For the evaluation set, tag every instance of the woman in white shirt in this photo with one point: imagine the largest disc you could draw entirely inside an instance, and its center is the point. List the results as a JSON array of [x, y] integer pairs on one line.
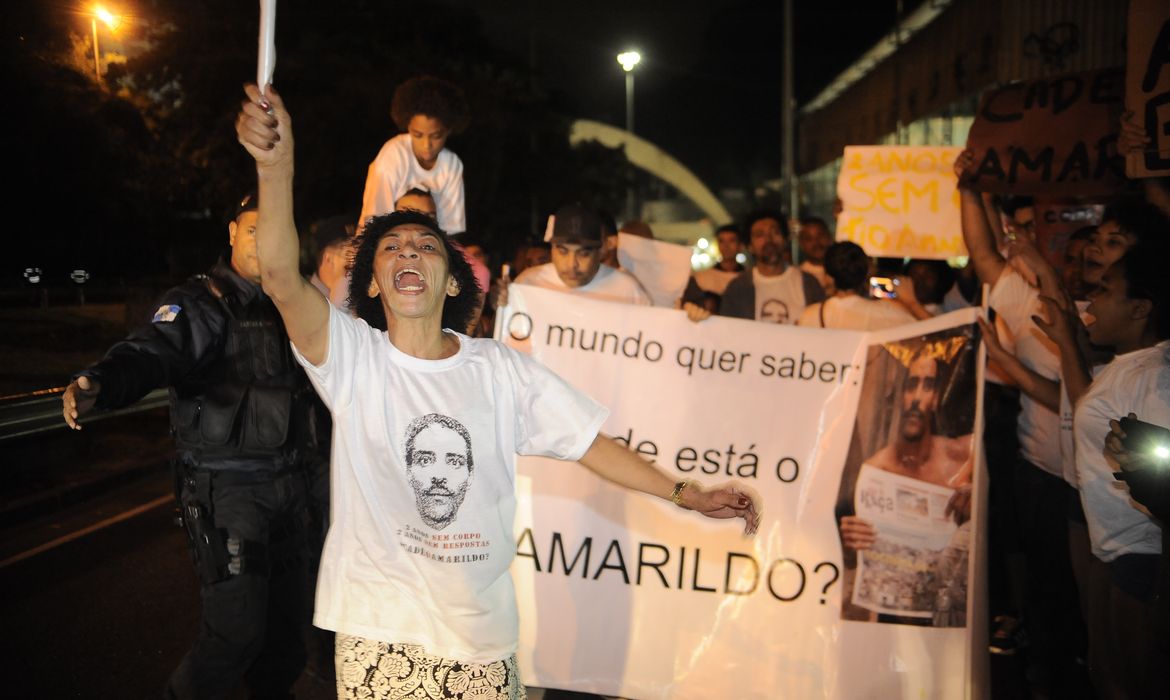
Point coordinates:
[[427, 422]]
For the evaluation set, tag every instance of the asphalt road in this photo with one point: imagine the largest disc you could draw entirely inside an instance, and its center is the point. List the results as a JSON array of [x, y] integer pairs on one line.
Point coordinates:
[[109, 613], [98, 598]]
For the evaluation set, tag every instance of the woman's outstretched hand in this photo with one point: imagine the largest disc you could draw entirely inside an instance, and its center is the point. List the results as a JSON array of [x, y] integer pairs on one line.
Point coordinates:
[[725, 501]]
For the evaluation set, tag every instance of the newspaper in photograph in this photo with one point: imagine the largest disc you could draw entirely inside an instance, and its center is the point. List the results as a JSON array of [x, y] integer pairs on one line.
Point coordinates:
[[900, 573]]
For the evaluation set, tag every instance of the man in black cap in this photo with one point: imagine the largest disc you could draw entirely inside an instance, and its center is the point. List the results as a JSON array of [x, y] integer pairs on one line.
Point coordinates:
[[576, 267], [240, 409]]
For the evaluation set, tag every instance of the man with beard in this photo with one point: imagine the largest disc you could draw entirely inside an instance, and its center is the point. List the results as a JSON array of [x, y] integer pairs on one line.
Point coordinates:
[[918, 452], [771, 284], [439, 464]]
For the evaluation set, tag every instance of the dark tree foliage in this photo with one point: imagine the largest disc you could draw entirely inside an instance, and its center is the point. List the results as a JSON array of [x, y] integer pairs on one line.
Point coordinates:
[[146, 171], [77, 161]]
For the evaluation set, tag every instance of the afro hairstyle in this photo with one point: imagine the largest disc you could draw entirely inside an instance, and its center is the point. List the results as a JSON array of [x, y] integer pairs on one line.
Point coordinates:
[[458, 311], [434, 97]]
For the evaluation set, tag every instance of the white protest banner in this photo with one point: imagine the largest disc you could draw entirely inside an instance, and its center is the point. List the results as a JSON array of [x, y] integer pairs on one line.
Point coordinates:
[[662, 268], [623, 594], [900, 201]]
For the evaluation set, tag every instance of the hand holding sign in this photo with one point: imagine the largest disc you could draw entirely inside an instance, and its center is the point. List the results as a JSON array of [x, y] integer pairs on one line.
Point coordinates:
[[264, 128], [266, 56]]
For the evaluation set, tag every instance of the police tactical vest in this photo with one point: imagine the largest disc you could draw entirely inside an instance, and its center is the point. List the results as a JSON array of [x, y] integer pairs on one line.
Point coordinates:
[[250, 402]]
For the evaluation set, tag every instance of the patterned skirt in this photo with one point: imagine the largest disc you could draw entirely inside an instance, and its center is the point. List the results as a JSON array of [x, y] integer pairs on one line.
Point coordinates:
[[382, 671]]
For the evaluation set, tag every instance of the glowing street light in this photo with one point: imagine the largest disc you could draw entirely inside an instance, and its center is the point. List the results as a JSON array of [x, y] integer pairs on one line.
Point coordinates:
[[628, 60], [110, 20]]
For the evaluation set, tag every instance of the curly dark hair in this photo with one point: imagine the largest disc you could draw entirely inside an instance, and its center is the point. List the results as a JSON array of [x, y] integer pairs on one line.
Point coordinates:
[[848, 265], [458, 311], [434, 97]]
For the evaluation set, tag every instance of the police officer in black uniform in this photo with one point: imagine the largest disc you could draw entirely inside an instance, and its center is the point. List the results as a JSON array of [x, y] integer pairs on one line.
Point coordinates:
[[240, 416]]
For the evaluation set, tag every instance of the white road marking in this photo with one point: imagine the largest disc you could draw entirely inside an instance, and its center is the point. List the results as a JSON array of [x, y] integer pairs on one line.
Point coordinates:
[[65, 539]]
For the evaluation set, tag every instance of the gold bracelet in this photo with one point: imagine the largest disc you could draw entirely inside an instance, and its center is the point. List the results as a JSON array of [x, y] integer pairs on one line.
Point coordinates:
[[676, 494]]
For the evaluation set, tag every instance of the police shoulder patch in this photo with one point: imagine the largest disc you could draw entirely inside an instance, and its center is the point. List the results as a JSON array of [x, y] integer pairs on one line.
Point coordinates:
[[166, 313]]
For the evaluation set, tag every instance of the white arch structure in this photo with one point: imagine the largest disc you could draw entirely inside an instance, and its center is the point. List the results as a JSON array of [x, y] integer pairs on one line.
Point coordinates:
[[653, 160]]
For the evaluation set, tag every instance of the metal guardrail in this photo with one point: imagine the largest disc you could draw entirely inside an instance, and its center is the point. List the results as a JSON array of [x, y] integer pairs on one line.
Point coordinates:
[[40, 411]]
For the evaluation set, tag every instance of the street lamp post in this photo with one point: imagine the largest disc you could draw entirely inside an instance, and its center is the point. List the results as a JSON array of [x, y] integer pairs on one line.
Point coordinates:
[[111, 20], [629, 59]]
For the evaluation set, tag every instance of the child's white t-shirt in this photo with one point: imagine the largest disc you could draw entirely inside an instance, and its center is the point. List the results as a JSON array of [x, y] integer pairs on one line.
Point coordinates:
[[395, 170]]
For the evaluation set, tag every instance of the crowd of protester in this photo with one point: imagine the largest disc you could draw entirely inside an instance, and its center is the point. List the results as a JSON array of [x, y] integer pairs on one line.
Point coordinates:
[[1077, 568], [1077, 572]]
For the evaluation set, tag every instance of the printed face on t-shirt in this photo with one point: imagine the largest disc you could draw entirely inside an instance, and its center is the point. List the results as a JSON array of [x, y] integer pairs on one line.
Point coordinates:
[[439, 464], [774, 311]]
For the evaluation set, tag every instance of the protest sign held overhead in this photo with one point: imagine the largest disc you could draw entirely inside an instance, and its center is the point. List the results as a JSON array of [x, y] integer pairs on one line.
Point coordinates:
[[266, 52], [794, 415], [1147, 84], [1053, 136], [900, 201], [662, 268]]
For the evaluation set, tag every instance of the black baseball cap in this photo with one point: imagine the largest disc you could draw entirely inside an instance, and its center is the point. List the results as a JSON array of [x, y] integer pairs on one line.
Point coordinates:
[[574, 223], [248, 202]]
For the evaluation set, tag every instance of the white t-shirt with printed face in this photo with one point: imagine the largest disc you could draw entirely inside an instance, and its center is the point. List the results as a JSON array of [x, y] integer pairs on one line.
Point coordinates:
[[395, 170], [1137, 381], [779, 299], [1016, 302], [423, 486]]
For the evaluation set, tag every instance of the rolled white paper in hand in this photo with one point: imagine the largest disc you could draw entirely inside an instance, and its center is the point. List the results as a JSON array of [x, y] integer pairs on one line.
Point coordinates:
[[266, 57]]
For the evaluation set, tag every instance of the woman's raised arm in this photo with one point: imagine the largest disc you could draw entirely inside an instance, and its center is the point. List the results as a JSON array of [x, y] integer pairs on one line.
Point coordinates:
[[265, 130]]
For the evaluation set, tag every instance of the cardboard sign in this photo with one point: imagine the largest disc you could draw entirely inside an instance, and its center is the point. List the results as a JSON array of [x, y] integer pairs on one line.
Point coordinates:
[[1147, 84], [1053, 136], [900, 201]]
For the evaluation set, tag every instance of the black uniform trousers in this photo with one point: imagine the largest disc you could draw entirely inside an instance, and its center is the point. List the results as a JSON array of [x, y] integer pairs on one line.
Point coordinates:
[[252, 622]]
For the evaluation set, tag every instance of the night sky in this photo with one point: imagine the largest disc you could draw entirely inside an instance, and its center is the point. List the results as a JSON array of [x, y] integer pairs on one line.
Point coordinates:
[[708, 91], [709, 86]]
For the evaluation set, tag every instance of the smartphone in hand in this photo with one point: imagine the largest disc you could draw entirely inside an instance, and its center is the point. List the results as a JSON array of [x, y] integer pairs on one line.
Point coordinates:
[[883, 287]]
